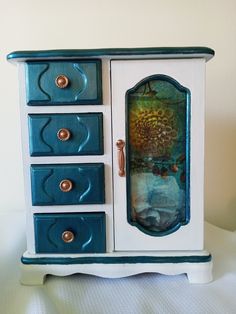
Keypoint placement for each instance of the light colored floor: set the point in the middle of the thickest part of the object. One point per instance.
(145, 293)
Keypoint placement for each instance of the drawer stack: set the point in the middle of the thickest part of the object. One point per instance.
(65, 167)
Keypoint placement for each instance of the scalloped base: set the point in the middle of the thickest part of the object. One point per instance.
(35, 269)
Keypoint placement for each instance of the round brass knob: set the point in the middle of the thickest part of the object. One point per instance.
(66, 185)
(63, 134)
(62, 81)
(68, 236)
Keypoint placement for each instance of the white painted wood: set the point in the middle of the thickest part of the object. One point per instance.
(27, 254)
(26, 163)
(196, 272)
(70, 108)
(190, 74)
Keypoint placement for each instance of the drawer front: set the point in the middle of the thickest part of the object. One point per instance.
(70, 233)
(66, 134)
(67, 184)
(72, 82)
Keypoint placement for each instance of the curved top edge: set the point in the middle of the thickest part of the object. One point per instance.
(159, 52)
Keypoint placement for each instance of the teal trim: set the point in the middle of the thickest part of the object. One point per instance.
(184, 220)
(89, 231)
(116, 260)
(181, 52)
(88, 184)
(86, 134)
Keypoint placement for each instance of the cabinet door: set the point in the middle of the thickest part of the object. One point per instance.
(158, 129)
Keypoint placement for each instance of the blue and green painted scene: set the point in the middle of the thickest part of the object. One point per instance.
(158, 117)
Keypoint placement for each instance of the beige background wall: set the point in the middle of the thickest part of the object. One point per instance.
(55, 24)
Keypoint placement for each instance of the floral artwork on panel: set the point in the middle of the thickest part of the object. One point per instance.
(157, 133)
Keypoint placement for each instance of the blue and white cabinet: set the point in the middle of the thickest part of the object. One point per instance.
(113, 153)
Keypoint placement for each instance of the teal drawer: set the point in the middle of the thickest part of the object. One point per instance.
(70, 233)
(66, 134)
(67, 184)
(76, 82)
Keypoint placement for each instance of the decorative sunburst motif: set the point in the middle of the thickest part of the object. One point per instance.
(153, 131)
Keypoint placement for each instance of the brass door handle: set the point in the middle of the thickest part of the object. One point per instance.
(120, 144)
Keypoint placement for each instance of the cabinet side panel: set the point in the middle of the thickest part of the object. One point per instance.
(25, 158)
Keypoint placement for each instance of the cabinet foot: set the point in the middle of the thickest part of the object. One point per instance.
(32, 276)
(200, 274)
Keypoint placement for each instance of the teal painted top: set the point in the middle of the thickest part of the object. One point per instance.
(158, 52)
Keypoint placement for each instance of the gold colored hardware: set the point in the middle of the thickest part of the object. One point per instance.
(66, 185)
(62, 81)
(68, 236)
(121, 157)
(63, 134)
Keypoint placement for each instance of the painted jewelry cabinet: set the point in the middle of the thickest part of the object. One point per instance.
(113, 152)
